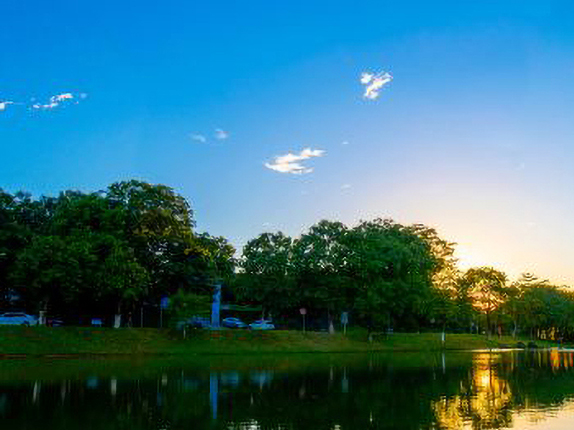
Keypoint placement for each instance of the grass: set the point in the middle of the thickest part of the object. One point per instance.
(46, 341)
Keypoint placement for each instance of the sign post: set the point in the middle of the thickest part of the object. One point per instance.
(303, 312)
(163, 305)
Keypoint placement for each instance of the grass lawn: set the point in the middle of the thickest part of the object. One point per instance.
(38, 341)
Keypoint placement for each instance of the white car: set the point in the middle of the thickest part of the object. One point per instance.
(17, 318)
(262, 325)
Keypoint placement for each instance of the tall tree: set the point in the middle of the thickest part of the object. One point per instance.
(391, 267)
(158, 224)
(486, 289)
(319, 261)
(266, 275)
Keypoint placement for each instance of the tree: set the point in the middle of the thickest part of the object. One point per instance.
(89, 268)
(266, 275)
(486, 289)
(319, 261)
(391, 268)
(158, 226)
(516, 301)
(154, 210)
(21, 219)
(184, 305)
(217, 262)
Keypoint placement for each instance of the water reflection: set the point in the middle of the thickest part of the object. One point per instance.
(484, 401)
(403, 391)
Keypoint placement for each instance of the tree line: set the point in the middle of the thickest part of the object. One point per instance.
(104, 253)
(113, 251)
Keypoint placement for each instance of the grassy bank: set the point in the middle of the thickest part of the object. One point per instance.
(16, 340)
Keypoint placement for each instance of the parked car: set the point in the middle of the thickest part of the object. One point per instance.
(199, 322)
(17, 318)
(233, 323)
(194, 322)
(54, 322)
(262, 325)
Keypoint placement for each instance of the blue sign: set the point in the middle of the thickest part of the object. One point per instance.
(164, 302)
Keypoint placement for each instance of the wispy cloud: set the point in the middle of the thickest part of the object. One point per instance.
(199, 138)
(374, 82)
(291, 163)
(59, 100)
(51, 103)
(218, 134)
(221, 134)
(345, 187)
(345, 142)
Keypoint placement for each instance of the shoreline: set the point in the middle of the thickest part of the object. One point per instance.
(18, 342)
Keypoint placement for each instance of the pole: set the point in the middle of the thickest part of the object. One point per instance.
(303, 323)
(160, 317)
(141, 317)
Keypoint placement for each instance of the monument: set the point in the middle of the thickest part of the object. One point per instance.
(216, 307)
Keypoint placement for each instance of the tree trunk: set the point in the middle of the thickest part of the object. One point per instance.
(118, 317)
(331, 325)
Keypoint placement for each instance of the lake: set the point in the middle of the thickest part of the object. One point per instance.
(466, 390)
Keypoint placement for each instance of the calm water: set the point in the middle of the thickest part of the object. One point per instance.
(517, 390)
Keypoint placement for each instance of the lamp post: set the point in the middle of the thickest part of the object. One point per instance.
(303, 312)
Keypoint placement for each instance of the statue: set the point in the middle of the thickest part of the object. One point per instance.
(215, 307)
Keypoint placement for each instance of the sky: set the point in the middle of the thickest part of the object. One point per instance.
(272, 116)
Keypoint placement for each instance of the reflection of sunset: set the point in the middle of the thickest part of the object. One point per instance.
(486, 403)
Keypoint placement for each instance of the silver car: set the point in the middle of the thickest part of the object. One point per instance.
(17, 318)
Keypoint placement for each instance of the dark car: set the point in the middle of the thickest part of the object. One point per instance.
(54, 322)
(194, 322)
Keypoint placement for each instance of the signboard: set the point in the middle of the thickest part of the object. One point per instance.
(303, 311)
(164, 304)
(344, 318)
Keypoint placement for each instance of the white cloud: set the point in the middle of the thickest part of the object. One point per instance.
(346, 186)
(50, 105)
(221, 134)
(366, 78)
(345, 142)
(199, 138)
(374, 83)
(4, 105)
(293, 168)
(291, 163)
(308, 153)
(59, 100)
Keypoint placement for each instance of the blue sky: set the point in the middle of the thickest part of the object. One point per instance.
(473, 135)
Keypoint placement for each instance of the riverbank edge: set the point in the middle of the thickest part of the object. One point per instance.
(71, 342)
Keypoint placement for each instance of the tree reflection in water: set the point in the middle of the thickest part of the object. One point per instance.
(400, 391)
